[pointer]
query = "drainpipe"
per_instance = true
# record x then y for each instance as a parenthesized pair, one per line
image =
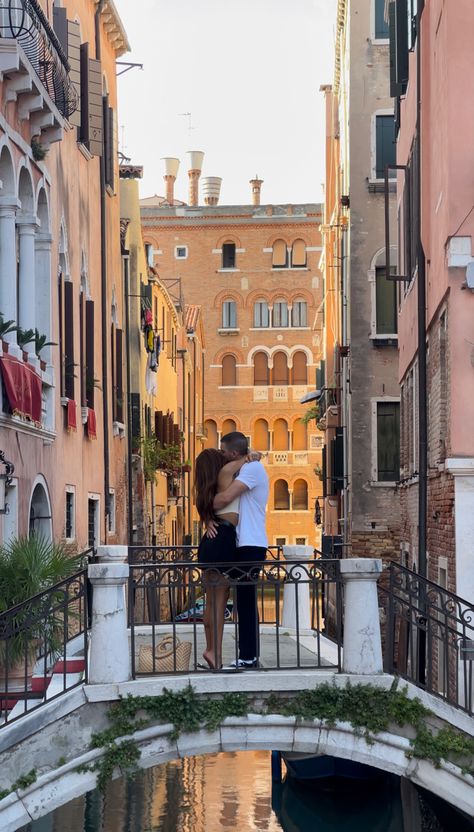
(104, 303)
(421, 297)
(126, 281)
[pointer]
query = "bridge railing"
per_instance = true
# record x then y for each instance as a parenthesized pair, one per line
(34, 640)
(429, 636)
(165, 595)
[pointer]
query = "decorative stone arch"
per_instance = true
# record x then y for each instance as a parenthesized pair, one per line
(228, 417)
(281, 434)
(26, 189)
(84, 286)
(278, 235)
(379, 258)
(39, 509)
(114, 307)
(63, 251)
(228, 238)
(228, 294)
(259, 348)
(256, 294)
(304, 295)
(302, 348)
(210, 426)
(42, 208)
(8, 176)
(284, 294)
(239, 357)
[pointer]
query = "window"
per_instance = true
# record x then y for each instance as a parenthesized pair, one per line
(211, 433)
(280, 368)
(229, 371)
(381, 25)
(385, 303)
(300, 370)
(388, 441)
(228, 426)
(385, 147)
(149, 253)
(70, 519)
(181, 252)
(300, 436)
(281, 496)
(298, 254)
(279, 255)
(280, 541)
(300, 495)
(408, 221)
(280, 313)
(91, 381)
(91, 128)
(261, 316)
(261, 434)
(66, 336)
(93, 522)
(281, 436)
(299, 315)
(117, 374)
(228, 256)
(229, 314)
(261, 375)
(300, 541)
(111, 515)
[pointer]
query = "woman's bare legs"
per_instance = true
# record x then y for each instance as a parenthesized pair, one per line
(217, 594)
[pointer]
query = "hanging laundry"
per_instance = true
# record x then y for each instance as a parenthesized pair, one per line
(150, 377)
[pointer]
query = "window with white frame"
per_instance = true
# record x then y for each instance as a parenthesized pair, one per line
(70, 514)
(149, 253)
(93, 520)
(261, 314)
(380, 23)
(280, 313)
(387, 451)
(229, 314)
(181, 252)
(385, 303)
(299, 315)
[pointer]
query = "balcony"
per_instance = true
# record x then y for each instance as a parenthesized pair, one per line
(35, 69)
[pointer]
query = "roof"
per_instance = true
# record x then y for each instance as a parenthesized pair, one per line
(114, 27)
(191, 317)
(150, 201)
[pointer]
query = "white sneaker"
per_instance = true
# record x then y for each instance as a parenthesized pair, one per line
(242, 664)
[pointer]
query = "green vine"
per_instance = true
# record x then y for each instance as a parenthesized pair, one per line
(22, 783)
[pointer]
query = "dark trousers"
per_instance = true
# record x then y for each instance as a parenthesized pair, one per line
(247, 602)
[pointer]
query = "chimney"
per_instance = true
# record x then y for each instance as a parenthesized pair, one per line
(195, 158)
(256, 188)
(211, 188)
(170, 174)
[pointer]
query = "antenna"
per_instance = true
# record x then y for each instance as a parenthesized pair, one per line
(190, 125)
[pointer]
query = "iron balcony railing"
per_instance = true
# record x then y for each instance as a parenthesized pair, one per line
(429, 636)
(25, 21)
(167, 605)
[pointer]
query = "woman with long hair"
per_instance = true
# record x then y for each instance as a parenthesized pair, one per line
(212, 475)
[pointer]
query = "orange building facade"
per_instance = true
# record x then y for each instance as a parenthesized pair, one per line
(253, 269)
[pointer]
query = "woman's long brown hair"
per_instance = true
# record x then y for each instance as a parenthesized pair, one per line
(206, 473)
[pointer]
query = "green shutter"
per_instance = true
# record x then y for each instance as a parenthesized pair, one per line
(386, 152)
(388, 441)
(386, 304)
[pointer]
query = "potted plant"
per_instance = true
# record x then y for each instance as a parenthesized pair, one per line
(24, 337)
(5, 328)
(28, 567)
(186, 466)
(41, 341)
(38, 149)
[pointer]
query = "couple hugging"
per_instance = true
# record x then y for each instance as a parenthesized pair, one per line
(231, 492)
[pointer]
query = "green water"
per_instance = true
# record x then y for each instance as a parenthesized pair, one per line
(234, 791)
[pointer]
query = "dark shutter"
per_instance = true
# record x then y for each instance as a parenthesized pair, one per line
(109, 144)
(337, 461)
(324, 470)
(159, 426)
(385, 144)
(62, 357)
(90, 353)
(82, 356)
(69, 365)
(96, 116)
(401, 43)
(84, 88)
(136, 420)
(388, 441)
(395, 87)
(176, 435)
(320, 375)
(60, 26)
(114, 374)
(74, 58)
(119, 374)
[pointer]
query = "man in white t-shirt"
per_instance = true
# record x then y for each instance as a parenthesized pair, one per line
(251, 485)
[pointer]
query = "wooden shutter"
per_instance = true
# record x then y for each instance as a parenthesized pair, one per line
(114, 376)
(119, 374)
(109, 144)
(279, 254)
(60, 26)
(281, 496)
(300, 436)
(159, 426)
(260, 369)
(84, 93)
(298, 254)
(280, 368)
(229, 371)
(401, 43)
(82, 357)
(385, 144)
(280, 435)
(300, 372)
(92, 115)
(90, 353)
(261, 435)
(62, 356)
(300, 495)
(136, 420)
(69, 366)
(228, 426)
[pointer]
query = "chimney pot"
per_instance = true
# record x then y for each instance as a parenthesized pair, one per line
(170, 174)
(195, 160)
(256, 188)
(211, 188)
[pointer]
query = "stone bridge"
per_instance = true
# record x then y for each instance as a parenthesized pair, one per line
(55, 739)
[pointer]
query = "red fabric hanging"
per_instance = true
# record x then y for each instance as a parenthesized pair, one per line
(71, 415)
(91, 424)
(23, 388)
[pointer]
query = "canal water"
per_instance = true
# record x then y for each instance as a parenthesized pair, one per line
(220, 792)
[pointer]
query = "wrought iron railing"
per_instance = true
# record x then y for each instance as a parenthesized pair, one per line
(163, 595)
(34, 639)
(429, 636)
(25, 21)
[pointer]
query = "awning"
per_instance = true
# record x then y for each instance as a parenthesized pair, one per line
(22, 387)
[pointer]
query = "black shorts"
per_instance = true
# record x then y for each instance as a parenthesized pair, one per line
(221, 549)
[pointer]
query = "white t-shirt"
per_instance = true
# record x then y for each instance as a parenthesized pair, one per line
(251, 529)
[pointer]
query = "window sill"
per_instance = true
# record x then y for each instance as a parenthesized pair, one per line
(22, 426)
(381, 41)
(110, 190)
(290, 269)
(384, 340)
(283, 328)
(85, 151)
(228, 270)
(228, 330)
(377, 186)
(383, 484)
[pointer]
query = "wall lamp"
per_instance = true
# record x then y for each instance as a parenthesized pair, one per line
(5, 482)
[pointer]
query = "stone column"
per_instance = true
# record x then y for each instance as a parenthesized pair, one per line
(109, 654)
(27, 282)
(44, 289)
(112, 554)
(362, 643)
(8, 305)
(296, 602)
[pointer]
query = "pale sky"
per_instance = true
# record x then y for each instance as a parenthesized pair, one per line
(249, 71)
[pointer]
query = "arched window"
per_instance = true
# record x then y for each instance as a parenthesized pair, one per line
(280, 255)
(260, 369)
(228, 255)
(261, 436)
(280, 313)
(300, 370)
(229, 314)
(229, 371)
(26, 286)
(40, 513)
(300, 495)
(299, 315)
(261, 315)
(280, 368)
(298, 254)
(280, 435)
(228, 426)
(211, 433)
(281, 496)
(300, 436)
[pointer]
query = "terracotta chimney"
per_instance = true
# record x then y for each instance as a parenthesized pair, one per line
(211, 188)
(256, 188)
(195, 158)
(170, 174)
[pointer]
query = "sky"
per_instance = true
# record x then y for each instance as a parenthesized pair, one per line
(249, 72)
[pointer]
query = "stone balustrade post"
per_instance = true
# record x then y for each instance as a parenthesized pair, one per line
(112, 554)
(362, 642)
(109, 654)
(296, 601)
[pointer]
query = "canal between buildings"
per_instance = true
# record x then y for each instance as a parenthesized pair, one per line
(235, 791)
